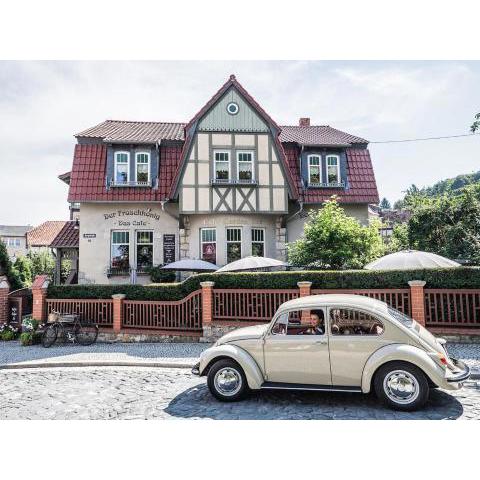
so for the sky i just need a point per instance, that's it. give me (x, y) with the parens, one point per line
(43, 104)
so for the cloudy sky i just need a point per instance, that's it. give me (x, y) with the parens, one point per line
(43, 104)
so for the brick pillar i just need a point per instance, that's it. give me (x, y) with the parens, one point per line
(305, 291)
(207, 302)
(417, 298)
(39, 292)
(4, 291)
(118, 312)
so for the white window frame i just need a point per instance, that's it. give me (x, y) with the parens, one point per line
(137, 244)
(149, 163)
(229, 179)
(316, 155)
(337, 157)
(252, 162)
(112, 244)
(202, 242)
(256, 241)
(233, 227)
(116, 163)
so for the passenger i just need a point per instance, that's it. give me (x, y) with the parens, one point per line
(317, 326)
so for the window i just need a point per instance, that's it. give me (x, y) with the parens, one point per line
(232, 108)
(144, 250)
(222, 166)
(208, 242)
(122, 167)
(120, 256)
(346, 321)
(314, 169)
(258, 242)
(401, 317)
(142, 167)
(300, 322)
(333, 169)
(17, 242)
(245, 167)
(234, 244)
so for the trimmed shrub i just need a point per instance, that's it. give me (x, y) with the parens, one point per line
(464, 277)
(158, 275)
(30, 338)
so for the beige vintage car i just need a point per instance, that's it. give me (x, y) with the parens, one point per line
(346, 343)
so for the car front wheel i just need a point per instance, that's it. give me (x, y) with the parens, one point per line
(402, 386)
(226, 381)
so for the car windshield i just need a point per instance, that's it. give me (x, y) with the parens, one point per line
(401, 317)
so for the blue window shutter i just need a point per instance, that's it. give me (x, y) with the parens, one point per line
(154, 165)
(304, 167)
(110, 165)
(343, 169)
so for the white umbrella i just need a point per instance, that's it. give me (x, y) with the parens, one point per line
(189, 265)
(410, 260)
(251, 263)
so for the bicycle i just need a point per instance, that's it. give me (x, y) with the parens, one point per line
(69, 326)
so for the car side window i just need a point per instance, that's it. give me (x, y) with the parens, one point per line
(346, 321)
(300, 322)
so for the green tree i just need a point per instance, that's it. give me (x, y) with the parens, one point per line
(23, 267)
(476, 124)
(333, 240)
(7, 269)
(385, 204)
(399, 239)
(43, 263)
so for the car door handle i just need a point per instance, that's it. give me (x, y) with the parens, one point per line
(321, 342)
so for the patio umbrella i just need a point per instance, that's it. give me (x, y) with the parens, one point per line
(410, 260)
(189, 265)
(251, 263)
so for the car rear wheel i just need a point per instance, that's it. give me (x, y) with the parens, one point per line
(226, 381)
(401, 386)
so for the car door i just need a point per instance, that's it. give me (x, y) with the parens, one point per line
(355, 334)
(291, 357)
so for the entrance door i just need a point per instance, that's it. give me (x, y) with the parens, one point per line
(296, 349)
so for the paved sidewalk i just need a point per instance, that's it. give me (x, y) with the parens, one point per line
(13, 355)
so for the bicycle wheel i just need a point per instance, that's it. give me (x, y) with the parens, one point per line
(49, 336)
(86, 333)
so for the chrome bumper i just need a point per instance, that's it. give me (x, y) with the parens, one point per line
(461, 376)
(196, 369)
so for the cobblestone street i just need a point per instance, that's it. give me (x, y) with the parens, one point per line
(146, 393)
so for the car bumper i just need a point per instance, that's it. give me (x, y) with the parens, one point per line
(196, 369)
(461, 376)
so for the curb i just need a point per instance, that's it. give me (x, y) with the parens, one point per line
(19, 366)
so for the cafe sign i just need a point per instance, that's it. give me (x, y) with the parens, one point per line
(135, 217)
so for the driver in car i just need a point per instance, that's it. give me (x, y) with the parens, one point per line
(317, 324)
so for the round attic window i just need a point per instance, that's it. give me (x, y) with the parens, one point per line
(232, 108)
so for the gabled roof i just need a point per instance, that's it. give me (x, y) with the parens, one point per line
(120, 131)
(275, 130)
(318, 135)
(45, 233)
(14, 230)
(67, 237)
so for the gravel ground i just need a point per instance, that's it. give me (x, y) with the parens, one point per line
(163, 393)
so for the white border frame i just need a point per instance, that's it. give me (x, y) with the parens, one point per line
(202, 242)
(129, 246)
(239, 227)
(264, 239)
(149, 163)
(333, 155)
(215, 179)
(319, 166)
(136, 245)
(116, 163)
(252, 153)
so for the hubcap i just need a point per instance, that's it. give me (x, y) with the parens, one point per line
(401, 387)
(228, 381)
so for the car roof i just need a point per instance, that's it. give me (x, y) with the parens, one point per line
(327, 300)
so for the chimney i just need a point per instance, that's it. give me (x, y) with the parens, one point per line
(304, 122)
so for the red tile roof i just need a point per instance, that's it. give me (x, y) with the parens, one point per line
(87, 182)
(44, 234)
(319, 135)
(362, 187)
(67, 237)
(119, 131)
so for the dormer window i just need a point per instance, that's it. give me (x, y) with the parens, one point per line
(245, 167)
(142, 167)
(122, 167)
(314, 170)
(333, 169)
(222, 166)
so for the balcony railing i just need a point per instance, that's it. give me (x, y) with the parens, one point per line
(233, 181)
(327, 185)
(126, 271)
(133, 183)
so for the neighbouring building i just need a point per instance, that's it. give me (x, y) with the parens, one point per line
(227, 184)
(15, 239)
(41, 237)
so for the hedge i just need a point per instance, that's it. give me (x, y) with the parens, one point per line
(464, 277)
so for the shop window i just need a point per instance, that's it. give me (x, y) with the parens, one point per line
(144, 253)
(222, 166)
(245, 167)
(234, 244)
(208, 244)
(142, 167)
(120, 255)
(122, 167)
(258, 242)
(314, 170)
